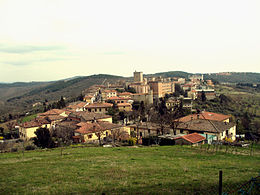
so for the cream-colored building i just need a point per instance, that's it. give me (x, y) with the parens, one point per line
(213, 130)
(161, 88)
(98, 107)
(27, 130)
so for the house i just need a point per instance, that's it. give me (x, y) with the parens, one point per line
(53, 115)
(108, 93)
(125, 94)
(98, 130)
(146, 129)
(27, 130)
(147, 98)
(89, 98)
(77, 106)
(181, 139)
(98, 107)
(210, 129)
(85, 116)
(127, 107)
(190, 139)
(60, 112)
(172, 103)
(119, 99)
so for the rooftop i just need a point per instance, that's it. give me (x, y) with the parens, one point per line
(205, 125)
(205, 115)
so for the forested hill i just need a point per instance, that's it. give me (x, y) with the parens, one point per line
(21, 96)
(170, 74)
(226, 77)
(234, 77)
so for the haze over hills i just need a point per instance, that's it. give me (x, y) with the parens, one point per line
(21, 95)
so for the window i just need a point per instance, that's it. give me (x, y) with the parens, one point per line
(100, 109)
(181, 131)
(89, 110)
(95, 110)
(89, 136)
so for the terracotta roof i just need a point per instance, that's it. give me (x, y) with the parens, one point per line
(55, 117)
(205, 126)
(118, 98)
(52, 112)
(99, 105)
(35, 123)
(78, 105)
(125, 93)
(92, 127)
(193, 138)
(88, 96)
(70, 124)
(89, 116)
(205, 115)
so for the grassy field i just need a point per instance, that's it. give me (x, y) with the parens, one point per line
(144, 170)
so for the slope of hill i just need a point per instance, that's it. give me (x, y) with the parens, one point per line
(234, 77)
(21, 96)
(170, 74)
(124, 170)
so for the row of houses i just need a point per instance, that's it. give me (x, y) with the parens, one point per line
(86, 125)
(212, 126)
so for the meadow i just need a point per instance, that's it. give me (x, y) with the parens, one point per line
(124, 170)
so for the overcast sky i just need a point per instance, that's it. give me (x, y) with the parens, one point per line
(44, 40)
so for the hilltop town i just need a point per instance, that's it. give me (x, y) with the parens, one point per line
(141, 110)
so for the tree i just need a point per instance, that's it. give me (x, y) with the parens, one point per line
(43, 138)
(98, 131)
(61, 103)
(203, 96)
(63, 135)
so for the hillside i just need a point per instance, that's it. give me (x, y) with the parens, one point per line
(230, 77)
(170, 74)
(234, 77)
(21, 96)
(145, 170)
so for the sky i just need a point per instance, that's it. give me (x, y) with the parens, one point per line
(43, 40)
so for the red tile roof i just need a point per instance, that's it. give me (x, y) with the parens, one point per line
(205, 115)
(92, 127)
(35, 123)
(193, 138)
(99, 105)
(118, 98)
(124, 93)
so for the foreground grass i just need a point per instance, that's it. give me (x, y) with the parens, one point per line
(145, 170)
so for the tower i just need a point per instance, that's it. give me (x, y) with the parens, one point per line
(138, 77)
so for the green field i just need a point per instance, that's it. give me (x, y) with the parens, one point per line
(124, 170)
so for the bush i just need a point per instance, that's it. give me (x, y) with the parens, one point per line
(14, 149)
(132, 141)
(30, 147)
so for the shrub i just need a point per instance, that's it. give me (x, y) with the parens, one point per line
(132, 141)
(30, 147)
(14, 149)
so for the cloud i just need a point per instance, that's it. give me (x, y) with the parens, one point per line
(20, 49)
(114, 53)
(30, 61)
